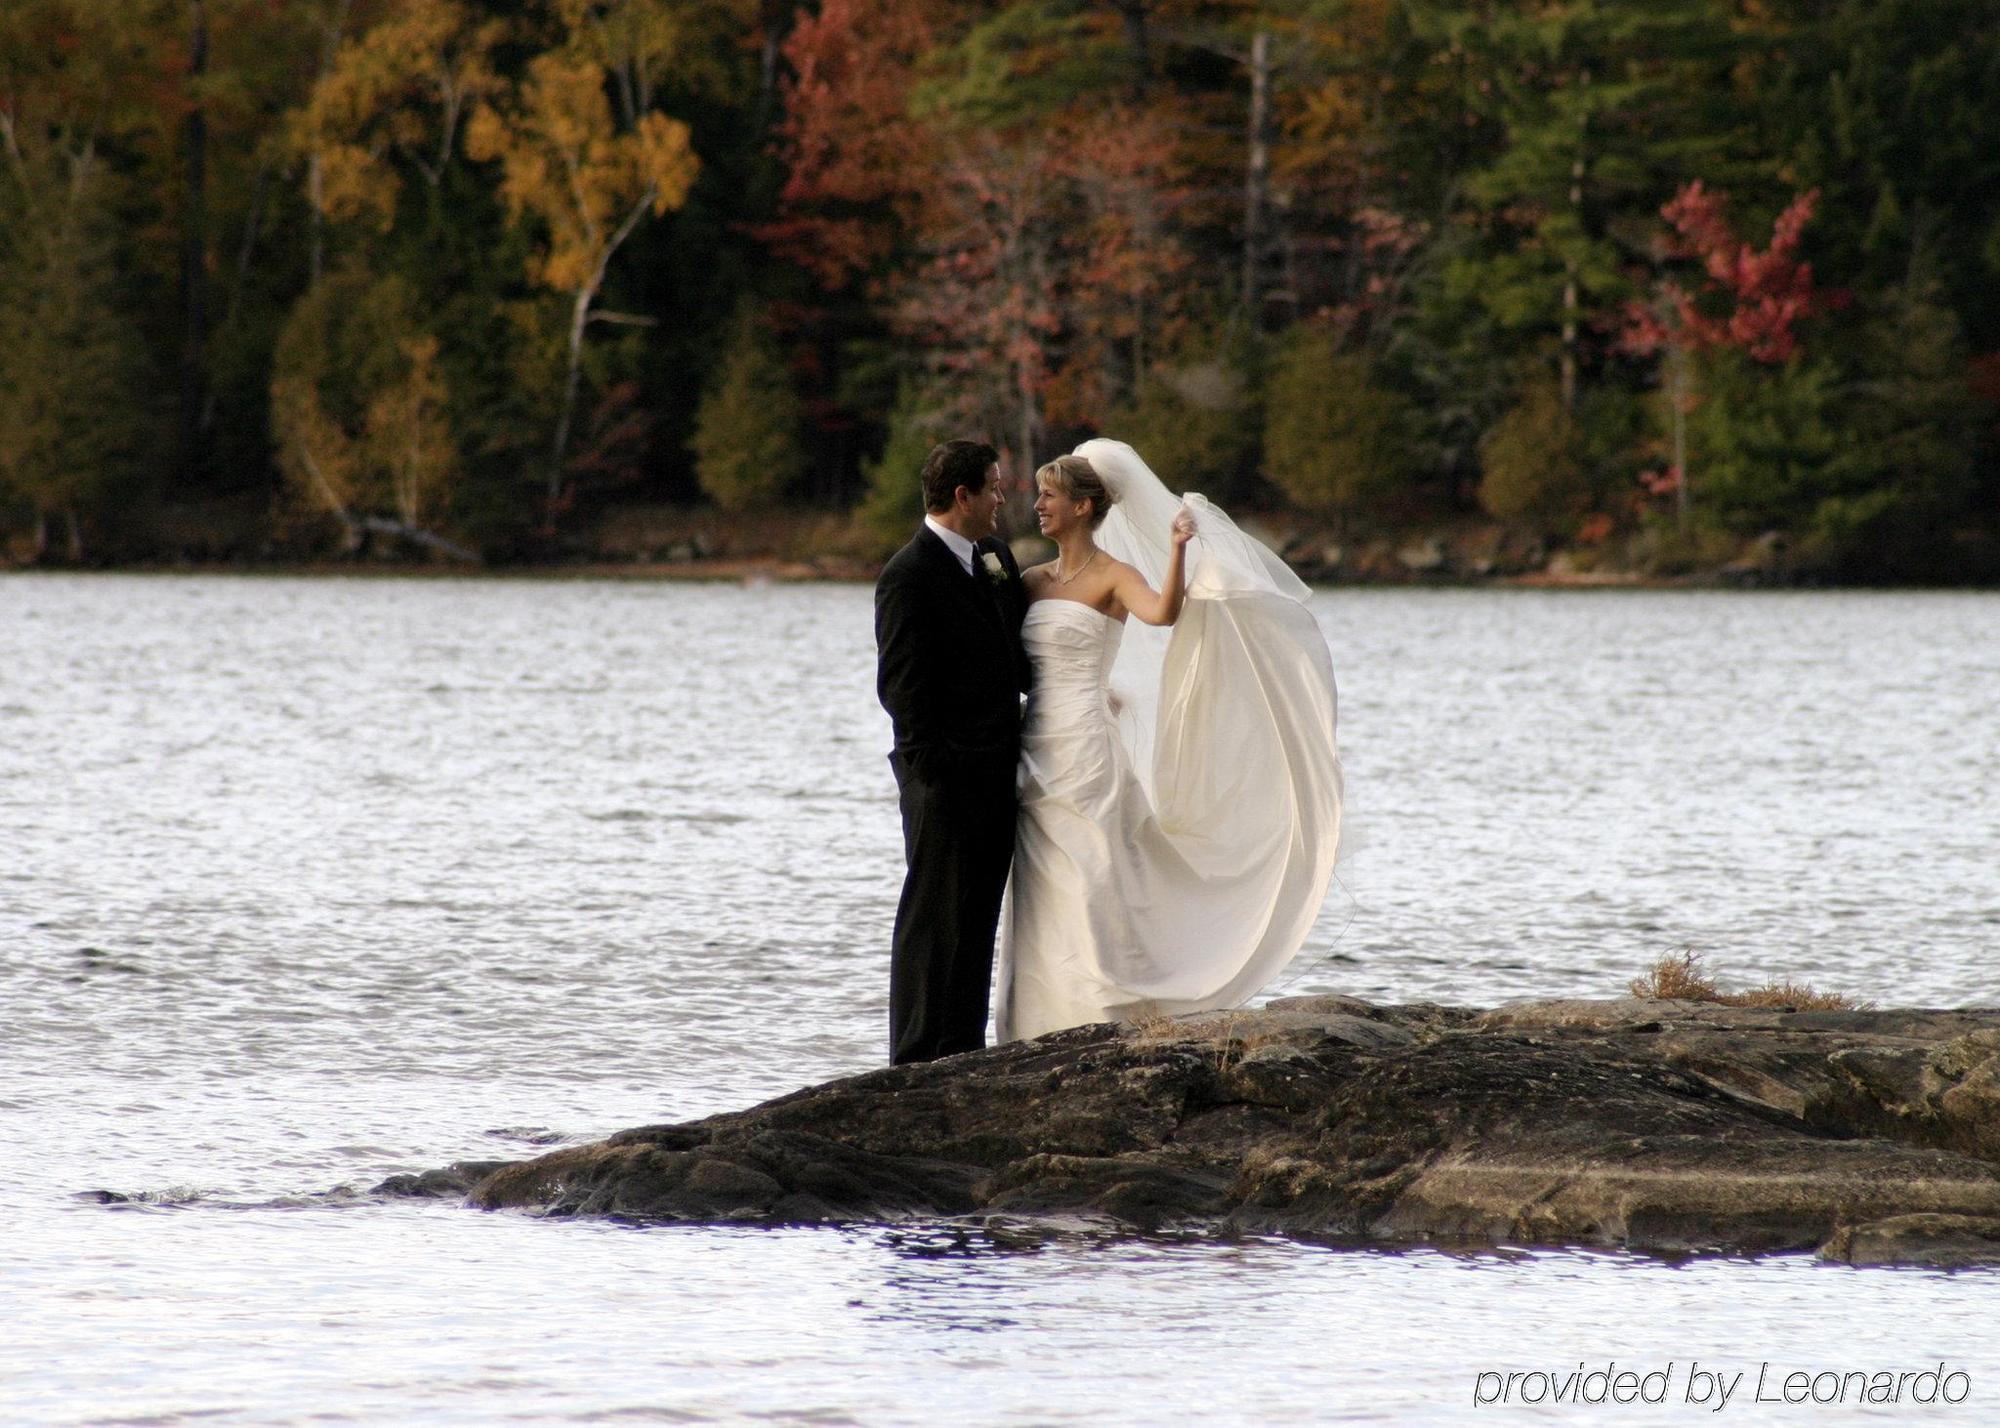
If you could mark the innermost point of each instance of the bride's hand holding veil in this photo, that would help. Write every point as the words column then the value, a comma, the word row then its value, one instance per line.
column 1162, row 606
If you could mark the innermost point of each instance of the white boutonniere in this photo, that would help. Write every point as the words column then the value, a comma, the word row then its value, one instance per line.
column 995, row 571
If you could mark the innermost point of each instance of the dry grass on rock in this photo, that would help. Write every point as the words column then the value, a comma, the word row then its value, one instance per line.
column 1227, row 1035
column 1680, row 976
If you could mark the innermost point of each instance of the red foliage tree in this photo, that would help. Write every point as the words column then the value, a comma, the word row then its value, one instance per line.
column 855, row 158
column 1050, row 258
column 1121, row 258
column 982, row 299
column 1749, row 301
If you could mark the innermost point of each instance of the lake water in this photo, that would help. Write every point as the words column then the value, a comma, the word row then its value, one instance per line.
column 306, row 882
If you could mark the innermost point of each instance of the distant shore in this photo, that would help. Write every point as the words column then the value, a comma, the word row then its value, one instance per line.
column 666, row 542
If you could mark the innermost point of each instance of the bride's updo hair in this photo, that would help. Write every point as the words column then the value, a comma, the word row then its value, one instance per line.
column 1077, row 479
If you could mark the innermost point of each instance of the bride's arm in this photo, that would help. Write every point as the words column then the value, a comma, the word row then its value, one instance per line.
column 1159, row 607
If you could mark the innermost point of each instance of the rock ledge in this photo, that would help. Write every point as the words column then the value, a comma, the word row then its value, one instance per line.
column 1871, row 1137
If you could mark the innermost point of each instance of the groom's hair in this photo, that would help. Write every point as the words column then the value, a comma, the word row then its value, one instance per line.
column 952, row 464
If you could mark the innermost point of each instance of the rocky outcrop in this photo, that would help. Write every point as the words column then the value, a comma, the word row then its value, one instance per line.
column 1870, row 1136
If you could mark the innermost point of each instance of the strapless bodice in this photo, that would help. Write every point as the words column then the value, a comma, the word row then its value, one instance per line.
column 1072, row 646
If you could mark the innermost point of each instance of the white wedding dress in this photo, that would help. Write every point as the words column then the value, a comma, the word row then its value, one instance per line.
column 1171, row 855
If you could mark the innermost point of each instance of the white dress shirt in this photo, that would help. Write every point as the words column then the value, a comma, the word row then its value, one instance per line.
column 957, row 544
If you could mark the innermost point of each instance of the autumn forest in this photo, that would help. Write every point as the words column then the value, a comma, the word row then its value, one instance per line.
column 1648, row 282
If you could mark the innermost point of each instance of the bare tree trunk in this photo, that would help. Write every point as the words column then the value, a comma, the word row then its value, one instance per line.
column 315, row 220
column 252, row 222
column 1571, row 296
column 416, row 535
column 1568, row 359
column 772, row 22
column 1028, row 424
column 194, row 248
column 75, row 532
column 579, row 317
column 41, row 545
column 350, row 529
column 335, row 23
column 1137, row 46
column 1257, row 173
column 579, row 320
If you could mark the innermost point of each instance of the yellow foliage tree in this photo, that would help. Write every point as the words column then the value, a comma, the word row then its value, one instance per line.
column 640, row 41
column 358, row 412
column 404, row 86
column 313, row 450
column 566, row 164
column 407, row 434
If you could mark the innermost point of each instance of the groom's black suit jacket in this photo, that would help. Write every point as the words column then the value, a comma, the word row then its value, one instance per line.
column 951, row 672
column 950, row 668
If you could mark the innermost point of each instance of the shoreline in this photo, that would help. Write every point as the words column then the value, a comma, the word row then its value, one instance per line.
column 686, row 543
column 772, row 570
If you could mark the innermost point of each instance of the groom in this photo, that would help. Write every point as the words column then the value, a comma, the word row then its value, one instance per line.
column 951, row 671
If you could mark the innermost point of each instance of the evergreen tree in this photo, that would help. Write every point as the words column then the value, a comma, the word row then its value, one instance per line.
column 747, row 430
column 1592, row 108
column 894, row 504
column 1882, row 107
column 1903, row 476
column 1335, row 438
column 72, row 405
column 1765, row 437
column 1532, row 462
column 1196, row 414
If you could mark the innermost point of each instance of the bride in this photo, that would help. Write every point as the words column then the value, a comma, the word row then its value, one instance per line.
column 1175, row 840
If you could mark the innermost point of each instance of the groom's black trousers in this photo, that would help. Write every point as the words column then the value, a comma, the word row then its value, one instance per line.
column 958, row 835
